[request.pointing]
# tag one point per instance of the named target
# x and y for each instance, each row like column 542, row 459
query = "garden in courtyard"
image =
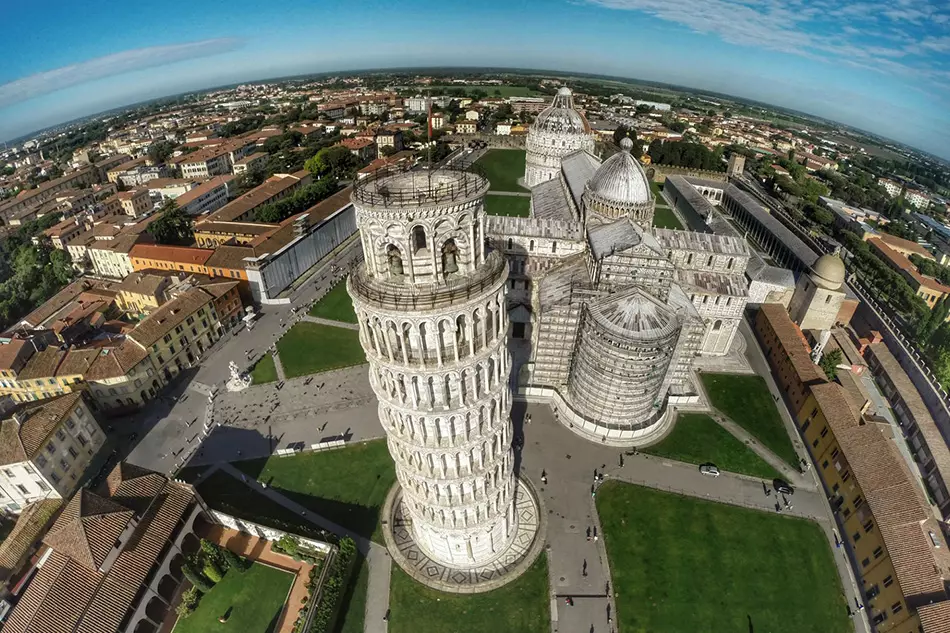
column 514, row 206
column 229, row 593
column 685, row 564
column 523, row 605
column 747, row 401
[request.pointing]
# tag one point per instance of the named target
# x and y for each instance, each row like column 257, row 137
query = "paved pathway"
column 330, row 322
column 791, row 475
column 516, row 194
column 279, row 366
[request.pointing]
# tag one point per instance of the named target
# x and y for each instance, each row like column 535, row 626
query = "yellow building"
column 895, row 542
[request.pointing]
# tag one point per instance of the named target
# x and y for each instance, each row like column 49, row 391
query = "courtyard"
column 503, row 167
column 747, row 401
column 697, row 439
column 523, row 605
column 251, row 601
column 685, row 564
column 664, row 218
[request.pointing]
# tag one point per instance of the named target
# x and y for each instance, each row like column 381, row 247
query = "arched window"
column 450, row 257
column 395, row 261
column 689, row 259
column 717, row 326
column 531, row 245
column 732, row 260
column 418, row 238
column 709, row 261
column 553, row 247
column 510, row 243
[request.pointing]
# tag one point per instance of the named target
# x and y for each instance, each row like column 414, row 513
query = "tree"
column 61, row 265
column 196, row 579
column 172, row 227
column 188, row 602
column 233, row 560
column 829, row 363
column 823, row 217
column 337, row 162
column 387, row 150
column 159, row 151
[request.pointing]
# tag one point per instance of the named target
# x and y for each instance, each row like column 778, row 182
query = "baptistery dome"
column 619, row 188
column 828, row 272
column 558, row 131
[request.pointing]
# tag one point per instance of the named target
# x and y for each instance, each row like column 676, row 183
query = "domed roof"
column 828, row 272
column 620, row 179
column 561, row 117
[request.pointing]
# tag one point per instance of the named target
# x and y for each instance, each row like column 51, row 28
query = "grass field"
column 683, row 564
column 697, row 439
column 353, row 607
column 347, row 486
column 522, row 606
column 747, row 400
column 656, row 188
column 664, row 218
column 225, row 493
column 517, row 206
column 253, row 601
column 503, row 167
column 336, row 305
column 506, row 91
column 309, row 348
column 264, row 370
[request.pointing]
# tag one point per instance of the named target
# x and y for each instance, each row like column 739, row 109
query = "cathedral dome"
column 621, row 179
column 619, row 188
column 828, row 272
column 561, row 117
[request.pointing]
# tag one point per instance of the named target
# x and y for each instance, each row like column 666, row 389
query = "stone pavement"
column 279, row 366
column 330, row 322
column 790, row 474
column 515, row 194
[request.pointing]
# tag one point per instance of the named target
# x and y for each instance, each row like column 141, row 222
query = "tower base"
column 521, row 553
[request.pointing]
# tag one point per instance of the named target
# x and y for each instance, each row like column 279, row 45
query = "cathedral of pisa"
column 583, row 305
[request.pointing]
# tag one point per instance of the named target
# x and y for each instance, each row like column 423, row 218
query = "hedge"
column 326, row 611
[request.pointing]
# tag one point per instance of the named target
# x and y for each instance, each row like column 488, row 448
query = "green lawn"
column 503, row 167
column 697, row 439
column 347, row 486
column 664, row 218
column 747, row 400
column 684, row 564
column 309, row 348
column 229, row 495
column 517, row 206
column 506, row 91
column 264, row 370
column 336, row 305
column 254, row 600
column 353, row 607
column 656, row 188
column 522, row 606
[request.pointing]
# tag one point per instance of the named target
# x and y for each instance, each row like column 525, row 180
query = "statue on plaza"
column 238, row 381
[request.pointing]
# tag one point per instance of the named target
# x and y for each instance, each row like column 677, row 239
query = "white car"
column 709, row 469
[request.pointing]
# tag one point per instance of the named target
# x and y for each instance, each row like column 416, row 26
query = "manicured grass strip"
column 515, row 206
column 684, row 564
column 697, row 439
column 309, row 348
column 503, row 167
column 264, row 370
column 748, row 401
column 353, row 607
column 347, row 486
column 664, row 218
column 253, row 601
column 522, row 605
column 226, row 494
column 336, row 305
column 656, row 188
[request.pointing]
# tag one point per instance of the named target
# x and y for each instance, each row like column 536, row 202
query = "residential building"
column 163, row 257
column 170, row 188
column 275, row 188
column 207, row 197
column 45, row 449
column 895, row 544
column 110, row 258
column 920, row 199
column 114, row 174
column 925, row 287
column 788, row 353
column 135, row 203
column 250, row 163
column 465, row 127
column 437, row 120
column 22, row 542
column 363, row 148
column 143, row 291
column 891, row 187
column 388, row 138
column 216, row 160
column 114, row 557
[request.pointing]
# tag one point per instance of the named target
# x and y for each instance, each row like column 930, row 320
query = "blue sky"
column 881, row 66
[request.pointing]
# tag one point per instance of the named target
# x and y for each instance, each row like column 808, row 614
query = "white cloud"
column 126, row 61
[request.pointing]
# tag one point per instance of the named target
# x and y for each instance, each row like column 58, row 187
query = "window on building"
column 51, row 449
column 815, row 443
column 878, row 552
column 896, row 608
column 858, row 502
column 856, row 537
column 834, row 453
column 868, row 527
column 888, row 581
column 806, row 425
column 72, row 452
column 824, row 464
column 54, row 477
column 70, row 424
column 8, row 472
column 865, row 562
column 42, row 485
column 846, row 512
column 61, row 435
column 81, row 439
column 873, row 591
column 824, row 431
column 22, row 489
column 846, row 476
column 64, row 464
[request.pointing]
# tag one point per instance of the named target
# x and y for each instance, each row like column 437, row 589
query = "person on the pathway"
column 592, row 492
column 595, row 533
column 595, row 474
column 584, row 568
column 544, row 476
column 588, row 532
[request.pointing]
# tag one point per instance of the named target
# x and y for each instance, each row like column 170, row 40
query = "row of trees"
column 685, row 154
column 204, row 569
column 301, row 200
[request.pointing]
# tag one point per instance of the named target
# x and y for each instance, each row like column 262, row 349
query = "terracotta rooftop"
column 66, row 595
column 176, row 254
column 10, row 350
column 30, row 526
column 229, row 257
column 21, row 441
column 204, row 188
column 58, row 301
column 793, row 342
column 42, row 364
column 899, row 243
column 166, row 318
column 113, row 362
column 263, row 194
column 905, row 265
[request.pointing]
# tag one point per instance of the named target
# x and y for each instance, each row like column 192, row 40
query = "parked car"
column 782, row 486
column 709, row 469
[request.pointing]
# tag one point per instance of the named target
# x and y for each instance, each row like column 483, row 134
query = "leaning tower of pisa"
column 433, row 322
